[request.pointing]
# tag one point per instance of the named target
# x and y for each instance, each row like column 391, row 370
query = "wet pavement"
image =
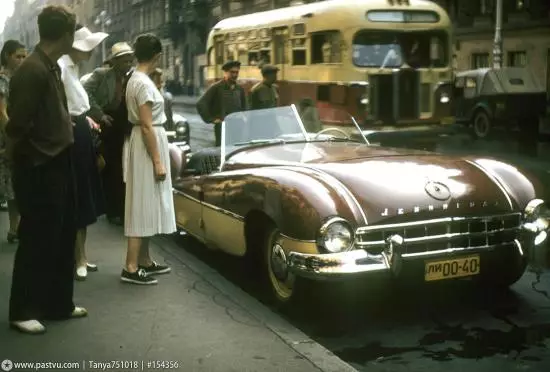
column 446, row 326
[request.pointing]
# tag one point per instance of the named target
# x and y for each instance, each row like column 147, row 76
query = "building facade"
column 22, row 24
column 525, row 34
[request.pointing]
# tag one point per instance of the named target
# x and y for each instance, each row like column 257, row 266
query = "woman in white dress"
column 149, row 202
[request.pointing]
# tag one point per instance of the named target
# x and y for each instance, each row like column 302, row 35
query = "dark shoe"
column 155, row 269
column 138, row 277
column 91, row 267
column 12, row 238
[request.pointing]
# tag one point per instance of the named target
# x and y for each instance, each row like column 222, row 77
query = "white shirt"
column 139, row 91
column 77, row 98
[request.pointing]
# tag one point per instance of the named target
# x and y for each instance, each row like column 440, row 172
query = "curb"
column 298, row 341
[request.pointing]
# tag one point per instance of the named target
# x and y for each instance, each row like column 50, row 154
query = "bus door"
column 280, row 49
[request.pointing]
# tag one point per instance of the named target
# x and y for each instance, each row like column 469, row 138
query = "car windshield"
column 288, row 124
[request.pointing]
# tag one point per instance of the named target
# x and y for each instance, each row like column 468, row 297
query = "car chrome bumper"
column 344, row 265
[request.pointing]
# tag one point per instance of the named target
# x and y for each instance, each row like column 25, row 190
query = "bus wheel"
column 481, row 124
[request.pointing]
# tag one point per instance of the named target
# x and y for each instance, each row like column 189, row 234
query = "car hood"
column 393, row 185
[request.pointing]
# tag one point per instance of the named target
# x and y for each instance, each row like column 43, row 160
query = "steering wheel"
column 323, row 131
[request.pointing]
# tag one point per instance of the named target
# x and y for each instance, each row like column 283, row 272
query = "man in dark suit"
column 40, row 132
column 106, row 90
column 222, row 98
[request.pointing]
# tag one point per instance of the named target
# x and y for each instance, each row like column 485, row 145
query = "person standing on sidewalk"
column 222, row 98
column 264, row 94
column 157, row 77
column 12, row 55
column 40, row 132
column 88, row 182
column 149, row 200
column 105, row 88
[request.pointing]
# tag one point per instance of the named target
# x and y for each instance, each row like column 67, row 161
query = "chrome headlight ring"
column 537, row 220
column 336, row 235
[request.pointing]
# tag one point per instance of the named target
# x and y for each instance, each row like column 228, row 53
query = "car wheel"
column 280, row 280
column 481, row 124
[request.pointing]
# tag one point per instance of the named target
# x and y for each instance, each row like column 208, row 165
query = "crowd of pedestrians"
column 72, row 149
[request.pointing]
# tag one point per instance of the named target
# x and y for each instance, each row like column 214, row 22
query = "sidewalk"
column 193, row 318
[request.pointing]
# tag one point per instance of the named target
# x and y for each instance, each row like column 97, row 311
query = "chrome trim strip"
column 496, row 179
column 297, row 240
column 181, row 193
column 435, row 238
column 481, row 248
column 434, row 221
column 333, row 180
column 208, row 205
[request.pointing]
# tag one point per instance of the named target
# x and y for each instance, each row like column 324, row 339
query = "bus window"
column 230, row 52
column 211, row 57
column 243, row 54
column 325, row 47
column 265, row 57
column 376, row 49
column 299, row 54
column 390, row 49
column 280, row 37
column 218, row 46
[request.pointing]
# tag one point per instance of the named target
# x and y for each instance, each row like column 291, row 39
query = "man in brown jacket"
column 222, row 98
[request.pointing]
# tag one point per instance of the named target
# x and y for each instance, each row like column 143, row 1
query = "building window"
column 517, row 59
column 480, row 60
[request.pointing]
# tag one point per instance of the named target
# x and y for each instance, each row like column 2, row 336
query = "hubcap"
column 278, row 262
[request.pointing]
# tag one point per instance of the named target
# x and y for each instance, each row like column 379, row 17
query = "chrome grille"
column 443, row 233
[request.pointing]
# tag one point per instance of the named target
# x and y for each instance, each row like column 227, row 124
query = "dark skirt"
column 90, row 204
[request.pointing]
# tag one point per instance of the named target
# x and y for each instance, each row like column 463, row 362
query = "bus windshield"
column 390, row 49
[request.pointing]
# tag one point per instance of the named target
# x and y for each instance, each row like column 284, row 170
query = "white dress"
column 149, row 203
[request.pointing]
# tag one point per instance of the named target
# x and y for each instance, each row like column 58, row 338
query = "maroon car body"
column 329, row 208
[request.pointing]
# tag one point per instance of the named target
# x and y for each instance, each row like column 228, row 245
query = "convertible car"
column 329, row 205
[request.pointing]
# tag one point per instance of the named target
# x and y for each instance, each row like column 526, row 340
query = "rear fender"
column 298, row 200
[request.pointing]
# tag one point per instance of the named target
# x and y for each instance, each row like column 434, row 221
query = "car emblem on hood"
column 437, row 190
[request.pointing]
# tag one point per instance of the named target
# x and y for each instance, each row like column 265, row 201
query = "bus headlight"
column 335, row 235
column 365, row 101
column 444, row 98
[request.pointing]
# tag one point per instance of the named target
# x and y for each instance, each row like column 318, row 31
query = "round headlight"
column 336, row 236
column 536, row 209
column 444, row 98
column 181, row 129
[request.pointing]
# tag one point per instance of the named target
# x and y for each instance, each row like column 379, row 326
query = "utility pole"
column 497, row 44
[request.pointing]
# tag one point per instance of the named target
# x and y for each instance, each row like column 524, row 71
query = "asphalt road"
column 442, row 327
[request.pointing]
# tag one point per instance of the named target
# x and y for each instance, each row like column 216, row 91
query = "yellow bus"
column 387, row 62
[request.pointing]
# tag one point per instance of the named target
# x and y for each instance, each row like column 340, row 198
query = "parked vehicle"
column 509, row 98
column 329, row 205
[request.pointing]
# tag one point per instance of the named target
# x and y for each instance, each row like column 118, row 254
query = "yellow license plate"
column 455, row 268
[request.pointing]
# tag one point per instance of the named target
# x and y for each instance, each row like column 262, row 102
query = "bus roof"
column 349, row 9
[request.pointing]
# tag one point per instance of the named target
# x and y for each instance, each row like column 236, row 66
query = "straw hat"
column 120, row 49
column 86, row 41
